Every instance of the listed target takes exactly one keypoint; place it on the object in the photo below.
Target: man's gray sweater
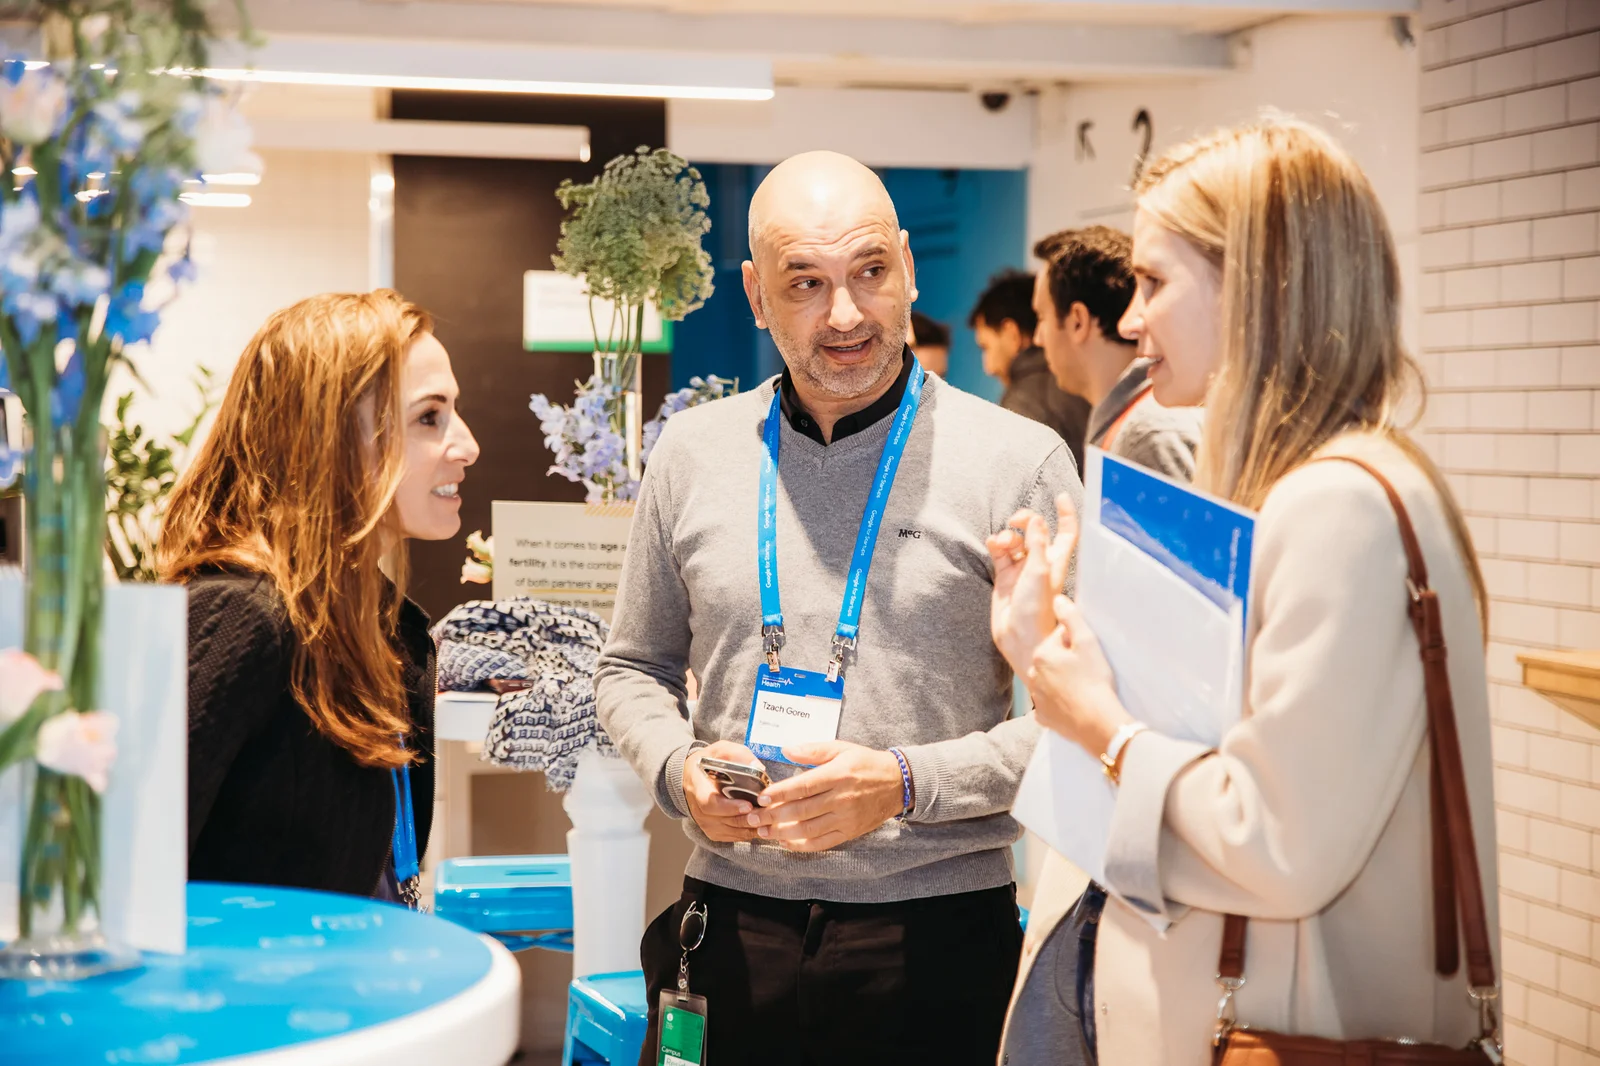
(925, 676)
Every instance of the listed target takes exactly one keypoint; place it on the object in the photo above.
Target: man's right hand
(718, 817)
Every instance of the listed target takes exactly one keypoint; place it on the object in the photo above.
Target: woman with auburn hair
(1269, 291)
(311, 676)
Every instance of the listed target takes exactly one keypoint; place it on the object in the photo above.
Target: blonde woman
(311, 676)
(1268, 290)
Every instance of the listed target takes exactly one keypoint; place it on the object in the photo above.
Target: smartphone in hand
(737, 781)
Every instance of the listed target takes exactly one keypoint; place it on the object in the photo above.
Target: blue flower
(67, 397)
(126, 317)
(183, 270)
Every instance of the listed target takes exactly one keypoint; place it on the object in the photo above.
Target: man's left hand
(849, 791)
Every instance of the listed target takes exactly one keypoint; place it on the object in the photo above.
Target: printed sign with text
(561, 552)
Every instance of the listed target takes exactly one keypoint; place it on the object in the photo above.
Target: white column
(610, 852)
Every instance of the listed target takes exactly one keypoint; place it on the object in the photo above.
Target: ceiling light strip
(489, 85)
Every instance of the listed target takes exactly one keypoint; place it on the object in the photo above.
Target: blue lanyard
(844, 637)
(405, 827)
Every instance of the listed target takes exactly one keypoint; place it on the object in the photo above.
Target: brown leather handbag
(1456, 880)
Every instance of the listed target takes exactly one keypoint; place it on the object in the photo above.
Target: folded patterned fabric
(545, 726)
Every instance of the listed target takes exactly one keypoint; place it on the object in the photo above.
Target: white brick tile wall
(1435, 48)
(1497, 410)
(1449, 84)
(1506, 325)
(1580, 278)
(1431, 134)
(1526, 453)
(1564, 60)
(1555, 583)
(1503, 73)
(1507, 240)
(1580, 366)
(1472, 203)
(1527, 111)
(1487, 118)
(1542, 194)
(1475, 37)
(1560, 410)
(1583, 100)
(1509, 288)
(1568, 146)
(1583, 189)
(1560, 497)
(1501, 158)
(1563, 323)
(1446, 248)
(1579, 543)
(1564, 235)
(1527, 539)
(1540, 21)
(1526, 367)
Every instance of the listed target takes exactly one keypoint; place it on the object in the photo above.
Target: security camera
(995, 99)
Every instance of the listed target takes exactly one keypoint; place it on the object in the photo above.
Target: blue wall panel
(965, 226)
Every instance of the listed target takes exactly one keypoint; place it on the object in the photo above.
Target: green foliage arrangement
(634, 237)
(141, 471)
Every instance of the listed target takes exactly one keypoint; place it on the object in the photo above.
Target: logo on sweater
(914, 534)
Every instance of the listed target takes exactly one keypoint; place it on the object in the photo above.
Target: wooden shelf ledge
(1571, 679)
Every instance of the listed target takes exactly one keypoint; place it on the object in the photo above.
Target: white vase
(610, 853)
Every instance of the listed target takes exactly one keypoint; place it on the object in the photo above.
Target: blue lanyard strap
(844, 637)
(406, 862)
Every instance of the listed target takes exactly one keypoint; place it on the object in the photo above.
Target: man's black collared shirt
(802, 422)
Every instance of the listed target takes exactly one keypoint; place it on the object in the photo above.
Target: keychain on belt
(683, 1015)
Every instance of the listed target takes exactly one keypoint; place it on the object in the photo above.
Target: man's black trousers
(792, 982)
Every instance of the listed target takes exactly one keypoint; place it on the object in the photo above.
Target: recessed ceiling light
(376, 63)
(241, 178)
(216, 199)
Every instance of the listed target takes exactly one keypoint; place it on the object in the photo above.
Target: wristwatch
(1111, 759)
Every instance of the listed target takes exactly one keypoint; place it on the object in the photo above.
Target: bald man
(814, 551)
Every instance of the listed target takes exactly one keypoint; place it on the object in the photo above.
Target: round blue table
(281, 977)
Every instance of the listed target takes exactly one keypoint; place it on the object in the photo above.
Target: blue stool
(523, 901)
(606, 1017)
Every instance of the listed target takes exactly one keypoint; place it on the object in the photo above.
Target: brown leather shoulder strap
(1457, 878)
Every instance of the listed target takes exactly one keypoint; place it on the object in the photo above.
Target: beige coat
(1312, 816)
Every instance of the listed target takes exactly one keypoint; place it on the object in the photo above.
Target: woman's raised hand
(1030, 570)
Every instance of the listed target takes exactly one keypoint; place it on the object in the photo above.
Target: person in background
(1312, 818)
(1080, 296)
(858, 900)
(931, 341)
(1003, 320)
(311, 676)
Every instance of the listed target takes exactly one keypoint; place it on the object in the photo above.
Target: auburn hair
(297, 481)
(1310, 307)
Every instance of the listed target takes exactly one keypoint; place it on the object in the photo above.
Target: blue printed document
(1164, 582)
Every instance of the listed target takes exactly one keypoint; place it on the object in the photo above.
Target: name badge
(792, 707)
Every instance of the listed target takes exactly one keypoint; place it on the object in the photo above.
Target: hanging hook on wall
(1141, 123)
(1085, 149)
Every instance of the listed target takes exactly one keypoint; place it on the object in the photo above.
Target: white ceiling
(944, 44)
(1198, 16)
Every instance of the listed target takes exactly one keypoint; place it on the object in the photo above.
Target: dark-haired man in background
(1080, 297)
(930, 339)
(1004, 321)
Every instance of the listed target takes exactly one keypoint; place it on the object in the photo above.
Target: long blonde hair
(297, 481)
(1310, 306)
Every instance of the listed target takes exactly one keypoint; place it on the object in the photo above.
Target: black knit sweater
(271, 800)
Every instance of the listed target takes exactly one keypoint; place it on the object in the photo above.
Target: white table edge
(477, 1027)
